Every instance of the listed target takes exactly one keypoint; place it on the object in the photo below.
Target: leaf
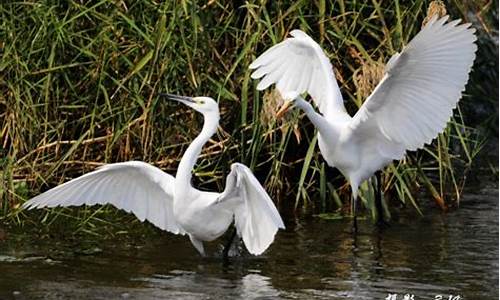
(330, 216)
(305, 167)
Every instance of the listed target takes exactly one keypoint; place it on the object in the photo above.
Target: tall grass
(79, 85)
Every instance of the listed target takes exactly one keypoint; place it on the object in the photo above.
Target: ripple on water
(448, 253)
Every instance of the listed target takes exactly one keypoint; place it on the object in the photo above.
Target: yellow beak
(286, 106)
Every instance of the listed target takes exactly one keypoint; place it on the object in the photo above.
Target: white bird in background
(408, 108)
(173, 204)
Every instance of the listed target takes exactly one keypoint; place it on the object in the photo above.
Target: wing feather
(133, 186)
(256, 218)
(420, 89)
(299, 65)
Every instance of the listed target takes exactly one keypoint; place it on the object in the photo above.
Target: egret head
(200, 104)
(289, 101)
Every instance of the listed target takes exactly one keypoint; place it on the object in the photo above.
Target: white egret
(409, 107)
(173, 204)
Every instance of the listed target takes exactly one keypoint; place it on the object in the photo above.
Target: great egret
(173, 204)
(408, 108)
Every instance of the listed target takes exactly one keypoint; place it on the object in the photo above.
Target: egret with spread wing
(173, 204)
(409, 107)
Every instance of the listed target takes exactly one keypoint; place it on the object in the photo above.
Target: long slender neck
(324, 127)
(184, 172)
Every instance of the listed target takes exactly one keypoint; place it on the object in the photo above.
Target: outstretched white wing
(419, 91)
(133, 186)
(299, 65)
(256, 218)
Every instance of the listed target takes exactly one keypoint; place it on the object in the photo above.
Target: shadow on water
(439, 254)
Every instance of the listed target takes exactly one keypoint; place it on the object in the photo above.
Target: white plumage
(133, 186)
(407, 109)
(298, 64)
(173, 204)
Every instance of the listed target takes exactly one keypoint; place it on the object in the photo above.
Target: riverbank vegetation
(79, 85)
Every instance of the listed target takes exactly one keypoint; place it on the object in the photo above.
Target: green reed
(79, 85)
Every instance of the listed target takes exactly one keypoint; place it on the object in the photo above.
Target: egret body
(173, 204)
(408, 108)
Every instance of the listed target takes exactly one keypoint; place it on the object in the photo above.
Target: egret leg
(378, 201)
(355, 213)
(227, 246)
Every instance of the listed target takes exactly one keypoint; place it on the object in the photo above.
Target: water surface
(439, 254)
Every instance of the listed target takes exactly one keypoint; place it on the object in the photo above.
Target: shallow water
(439, 254)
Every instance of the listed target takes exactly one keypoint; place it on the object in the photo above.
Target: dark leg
(378, 201)
(355, 224)
(355, 217)
(228, 244)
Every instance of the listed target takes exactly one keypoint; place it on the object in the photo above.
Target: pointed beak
(286, 107)
(183, 99)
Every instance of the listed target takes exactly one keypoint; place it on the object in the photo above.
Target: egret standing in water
(408, 108)
(173, 204)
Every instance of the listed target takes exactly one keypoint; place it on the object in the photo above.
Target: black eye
(202, 101)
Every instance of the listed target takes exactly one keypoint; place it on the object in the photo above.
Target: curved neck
(317, 119)
(184, 171)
